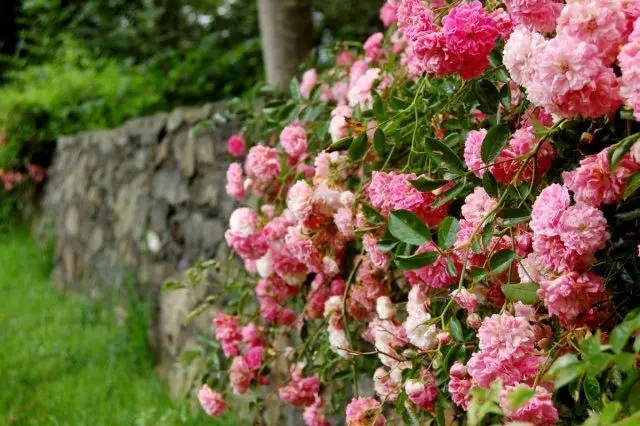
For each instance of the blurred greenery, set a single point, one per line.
(65, 362)
(87, 64)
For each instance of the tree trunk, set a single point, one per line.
(286, 30)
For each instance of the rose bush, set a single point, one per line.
(452, 211)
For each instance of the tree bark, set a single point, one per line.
(286, 30)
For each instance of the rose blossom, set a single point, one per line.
(571, 295)
(211, 402)
(235, 145)
(539, 15)
(538, 410)
(262, 164)
(294, 140)
(594, 183)
(309, 80)
(388, 14)
(235, 184)
(363, 412)
(372, 47)
(423, 391)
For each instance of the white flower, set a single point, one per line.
(384, 308)
(153, 242)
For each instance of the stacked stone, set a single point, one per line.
(143, 203)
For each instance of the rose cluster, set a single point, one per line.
(451, 232)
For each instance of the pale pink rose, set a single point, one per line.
(539, 15)
(520, 52)
(309, 80)
(339, 124)
(262, 164)
(460, 385)
(477, 205)
(572, 295)
(360, 91)
(300, 200)
(235, 181)
(539, 410)
(593, 183)
(364, 412)
(387, 383)
(373, 47)
(599, 22)
(240, 375)
(465, 300)
(344, 58)
(211, 401)
(423, 390)
(228, 333)
(300, 391)
(293, 140)
(388, 14)
(472, 147)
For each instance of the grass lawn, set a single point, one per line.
(63, 361)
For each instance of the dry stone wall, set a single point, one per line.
(142, 203)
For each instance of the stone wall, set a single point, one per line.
(140, 204)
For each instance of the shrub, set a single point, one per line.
(72, 94)
(451, 210)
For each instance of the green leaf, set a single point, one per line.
(371, 214)
(598, 362)
(294, 89)
(173, 285)
(455, 329)
(619, 150)
(539, 129)
(591, 346)
(591, 389)
(450, 194)
(633, 420)
(624, 361)
(521, 292)
(514, 215)
(565, 369)
(478, 273)
(408, 228)
(410, 418)
(505, 96)
(487, 234)
(626, 113)
(424, 184)
(340, 145)
(501, 260)
(379, 141)
(489, 184)
(519, 397)
(417, 261)
(494, 142)
(386, 245)
(448, 232)
(610, 411)
(443, 155)
(358, 147)
(630, 215)
(619, 337)
(633, 183)
(487, 95)
(378, 108)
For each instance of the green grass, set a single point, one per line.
(63, 361)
